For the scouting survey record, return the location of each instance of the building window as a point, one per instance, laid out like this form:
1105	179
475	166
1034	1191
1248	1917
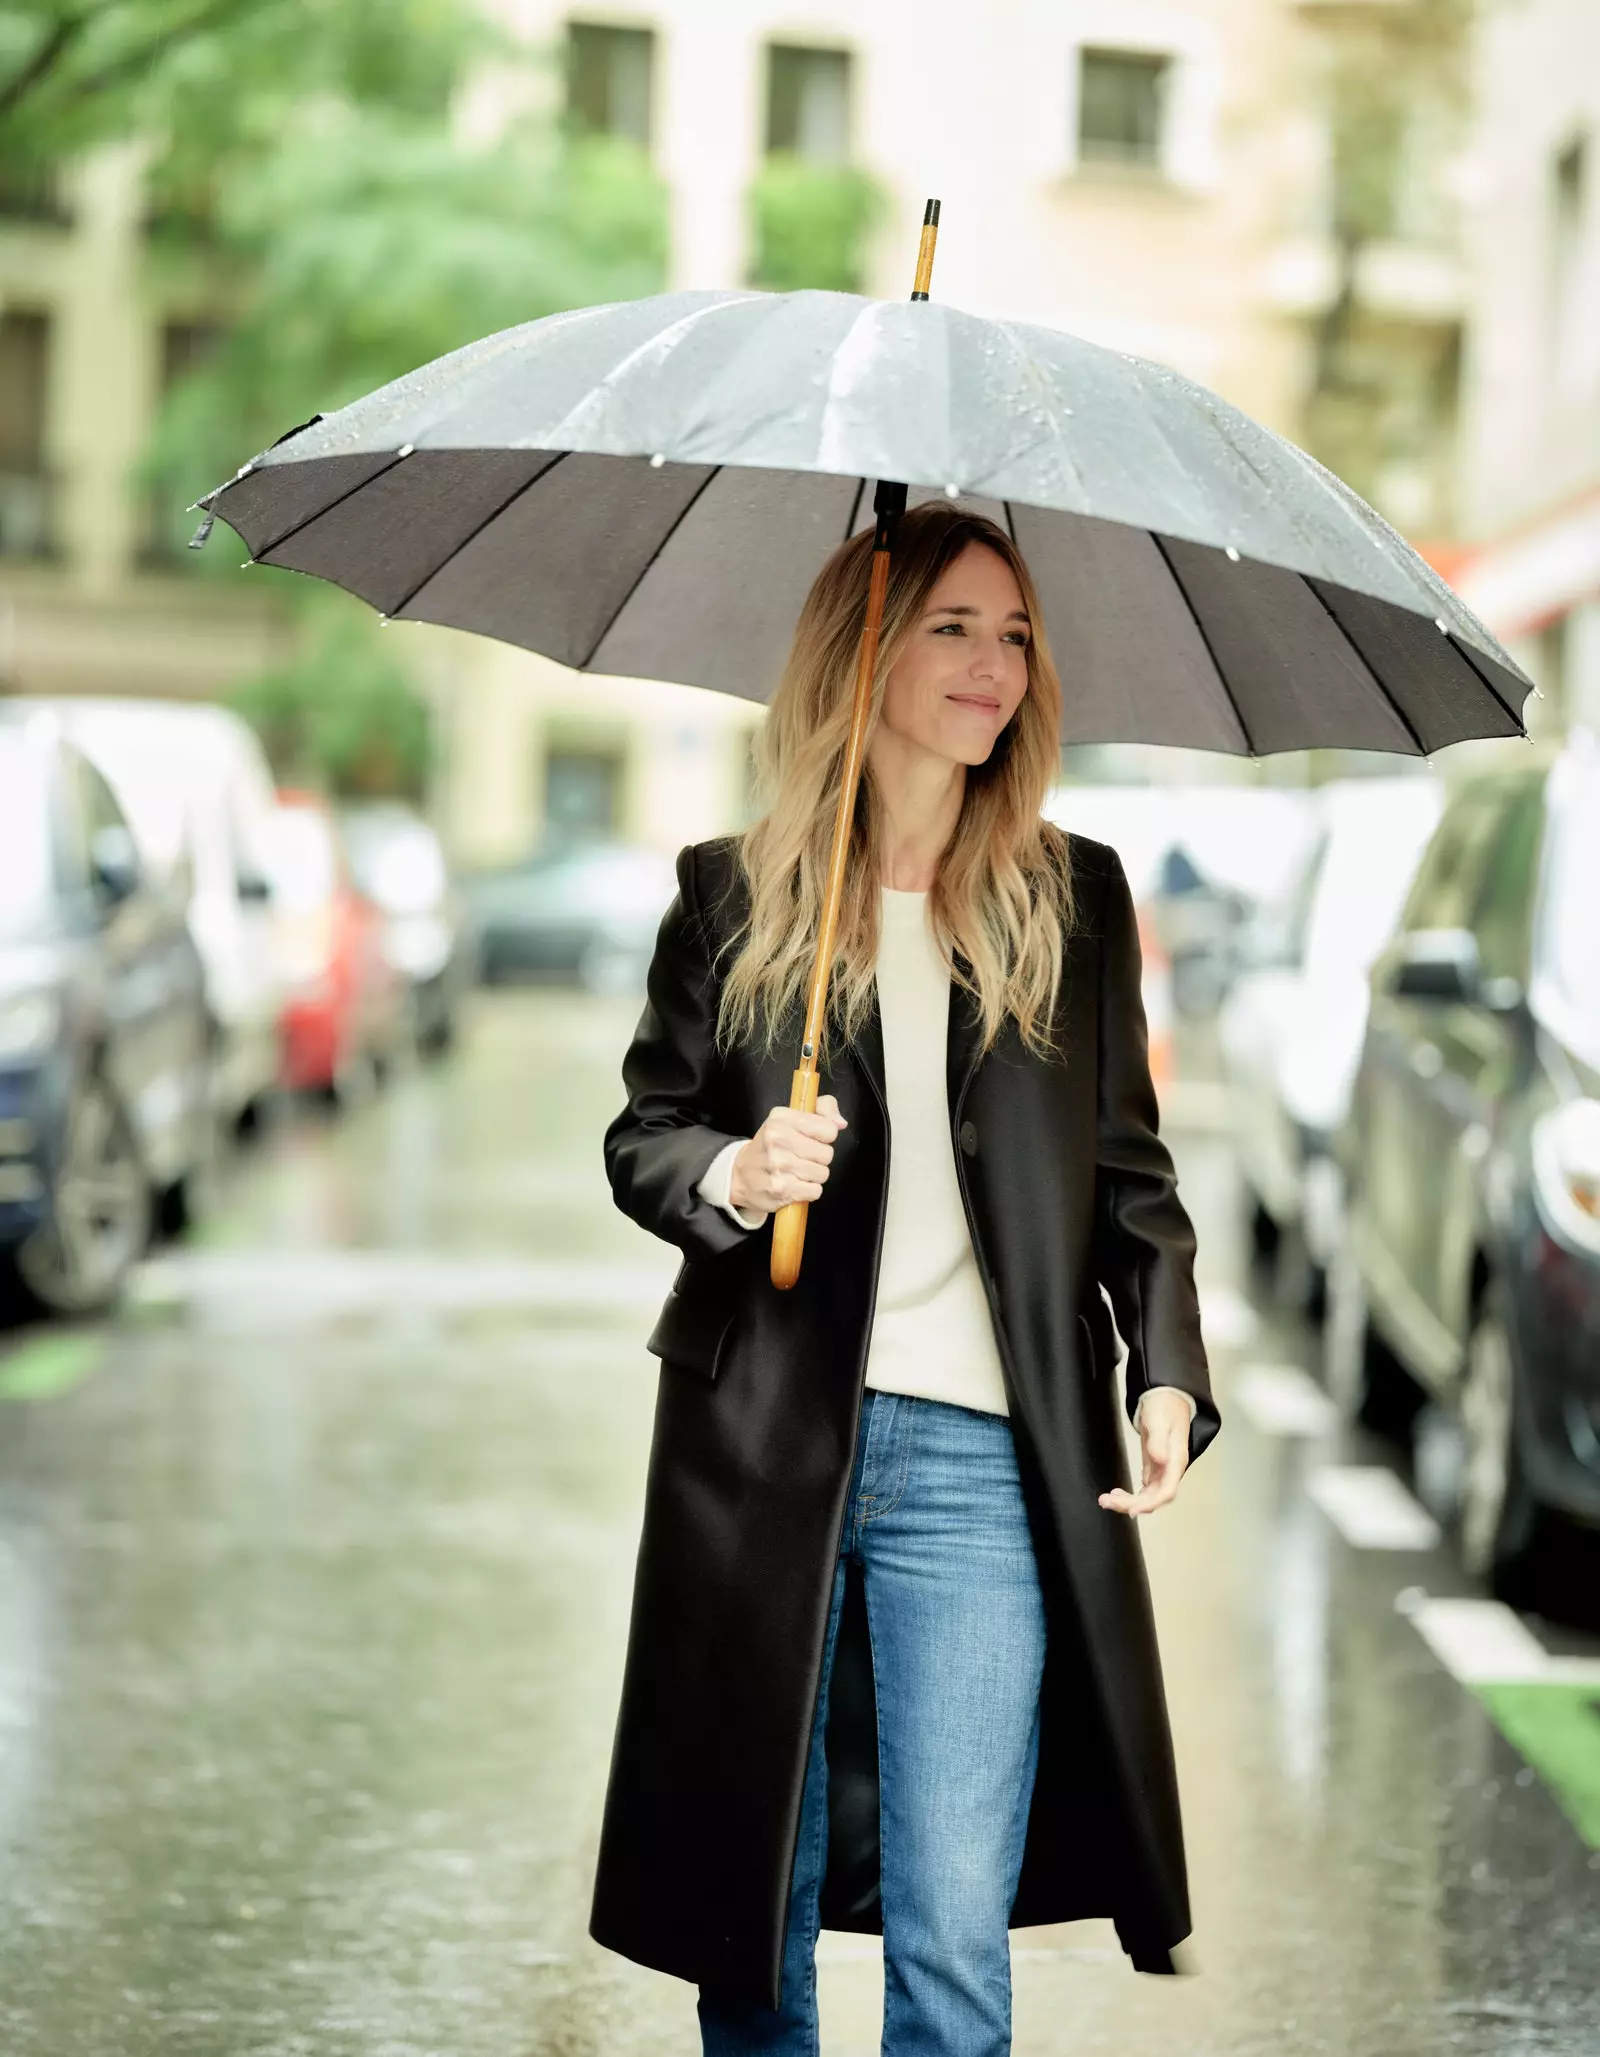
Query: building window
610	80
582	794
1569	212
25	527
808	103
30	188
186	347
1121	102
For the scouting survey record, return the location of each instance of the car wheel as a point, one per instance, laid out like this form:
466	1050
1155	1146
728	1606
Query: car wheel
1260	1230
1297	1283
355	1080
1362	1378
183	1205
100	1215
1502	1528
437	1036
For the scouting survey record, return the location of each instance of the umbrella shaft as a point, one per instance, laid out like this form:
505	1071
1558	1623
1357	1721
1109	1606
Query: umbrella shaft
789	1224
850	779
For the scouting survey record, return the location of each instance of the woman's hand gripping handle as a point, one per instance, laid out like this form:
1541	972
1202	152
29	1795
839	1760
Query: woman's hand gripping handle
784	1167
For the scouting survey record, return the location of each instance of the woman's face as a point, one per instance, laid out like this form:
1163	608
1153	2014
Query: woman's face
964	667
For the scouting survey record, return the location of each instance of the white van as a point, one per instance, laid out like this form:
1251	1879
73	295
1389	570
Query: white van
195	785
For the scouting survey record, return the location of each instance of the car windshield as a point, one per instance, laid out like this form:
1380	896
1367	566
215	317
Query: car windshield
25	880
1571	934
1372	854
301	858
396	861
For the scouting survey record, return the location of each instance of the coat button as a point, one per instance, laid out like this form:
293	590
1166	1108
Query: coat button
969	1139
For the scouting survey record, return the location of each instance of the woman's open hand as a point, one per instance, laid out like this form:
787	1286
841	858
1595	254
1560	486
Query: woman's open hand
1164	1439
787	1158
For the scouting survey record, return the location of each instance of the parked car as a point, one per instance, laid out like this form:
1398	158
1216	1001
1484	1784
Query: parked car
1291	1029
396	861
587	912
343	1017
105	1099
1199	858
1466	1296
194	783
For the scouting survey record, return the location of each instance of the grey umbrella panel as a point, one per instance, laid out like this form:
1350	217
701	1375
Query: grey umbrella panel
649	488
682	572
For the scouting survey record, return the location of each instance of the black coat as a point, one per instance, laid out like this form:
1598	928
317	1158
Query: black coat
1066	1185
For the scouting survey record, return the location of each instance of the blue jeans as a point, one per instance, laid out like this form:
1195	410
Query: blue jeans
935	1518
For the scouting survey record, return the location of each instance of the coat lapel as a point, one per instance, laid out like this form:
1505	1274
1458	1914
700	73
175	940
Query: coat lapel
963	1040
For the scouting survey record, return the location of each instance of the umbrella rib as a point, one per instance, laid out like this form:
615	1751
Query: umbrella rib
1405	720
677	523
473	534
1199	629
1011	522
855	509
338	500
1462	649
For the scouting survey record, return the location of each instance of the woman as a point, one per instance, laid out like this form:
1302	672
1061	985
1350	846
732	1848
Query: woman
892	1663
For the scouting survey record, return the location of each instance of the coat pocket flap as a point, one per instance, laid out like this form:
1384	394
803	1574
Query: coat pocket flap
689	1330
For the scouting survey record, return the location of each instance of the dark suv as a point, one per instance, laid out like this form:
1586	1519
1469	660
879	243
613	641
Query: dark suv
1465	1301
105	1042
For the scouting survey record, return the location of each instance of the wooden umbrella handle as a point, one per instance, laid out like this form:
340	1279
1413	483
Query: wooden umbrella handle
789	1223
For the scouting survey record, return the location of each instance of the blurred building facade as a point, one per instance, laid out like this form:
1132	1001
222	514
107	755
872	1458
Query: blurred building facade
1530	440
1151	174
1169	177
91	601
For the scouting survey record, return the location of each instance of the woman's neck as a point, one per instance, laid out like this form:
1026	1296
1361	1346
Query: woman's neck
919	796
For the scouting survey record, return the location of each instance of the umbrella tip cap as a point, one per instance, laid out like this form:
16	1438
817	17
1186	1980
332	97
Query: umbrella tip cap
930	215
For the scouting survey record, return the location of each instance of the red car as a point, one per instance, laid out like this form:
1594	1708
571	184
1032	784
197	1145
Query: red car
342	1019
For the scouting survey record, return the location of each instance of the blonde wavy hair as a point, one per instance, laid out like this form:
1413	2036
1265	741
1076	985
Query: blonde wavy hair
1003	892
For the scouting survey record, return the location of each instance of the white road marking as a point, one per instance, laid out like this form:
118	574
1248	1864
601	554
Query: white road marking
1283	1400
1371	1509
1483	1642
293	1287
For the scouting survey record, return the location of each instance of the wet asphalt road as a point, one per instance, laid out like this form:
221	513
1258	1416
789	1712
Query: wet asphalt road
314	1574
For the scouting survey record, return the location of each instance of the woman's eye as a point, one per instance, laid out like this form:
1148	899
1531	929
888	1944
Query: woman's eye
947	628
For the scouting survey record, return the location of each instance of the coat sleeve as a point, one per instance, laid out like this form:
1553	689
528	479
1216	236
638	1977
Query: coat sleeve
660	1146
1144	1238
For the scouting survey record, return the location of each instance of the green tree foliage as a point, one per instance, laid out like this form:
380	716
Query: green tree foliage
365	245
1395	88
310	183
76	72
811	222
343	713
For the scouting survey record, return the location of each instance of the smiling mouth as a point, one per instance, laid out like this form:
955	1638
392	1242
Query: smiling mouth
976	701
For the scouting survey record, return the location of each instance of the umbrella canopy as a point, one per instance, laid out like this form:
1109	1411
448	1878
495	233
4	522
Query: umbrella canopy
649	488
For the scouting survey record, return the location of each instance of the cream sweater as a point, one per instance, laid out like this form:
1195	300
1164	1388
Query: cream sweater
932	1334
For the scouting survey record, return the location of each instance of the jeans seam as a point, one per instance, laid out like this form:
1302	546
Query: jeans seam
905	1412
907	1436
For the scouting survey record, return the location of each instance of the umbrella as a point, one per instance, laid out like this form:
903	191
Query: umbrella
648	489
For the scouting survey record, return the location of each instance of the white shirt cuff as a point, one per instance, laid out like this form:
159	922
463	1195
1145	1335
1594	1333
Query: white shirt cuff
1138	1405
719	1175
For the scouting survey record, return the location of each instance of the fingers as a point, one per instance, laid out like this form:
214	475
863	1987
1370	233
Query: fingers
825	1124
796	1149
1161	1478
